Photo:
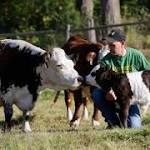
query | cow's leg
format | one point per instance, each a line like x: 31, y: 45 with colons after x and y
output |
x: 85, y: 110
x: 86, y: 99
x: 124, y: 111
x: 26, y: 125
x: 68, y: 104
x: 8, y: 111
x: 95, y: 117
x: 77, y: 114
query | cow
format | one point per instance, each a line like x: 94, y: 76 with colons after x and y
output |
x: 129, y: 88
x: 84, y: 54
x: 25, y: 70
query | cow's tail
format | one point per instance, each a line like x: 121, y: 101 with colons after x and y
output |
x: 56, y: 97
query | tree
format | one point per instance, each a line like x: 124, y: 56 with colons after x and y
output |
x: 86, y: 8
x: 34, y: 15
x: 111, y: 12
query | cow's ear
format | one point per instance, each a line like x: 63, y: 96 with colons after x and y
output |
x: 49, y: 54
x: 47, y: 57
x: 105, y: 75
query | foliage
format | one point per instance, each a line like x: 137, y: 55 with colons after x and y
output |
x: 97, y: 12
x: 35, y: 15
x: 135, y: 9
x: 32, y: 15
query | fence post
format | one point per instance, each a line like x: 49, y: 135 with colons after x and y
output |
x: 68, y: 31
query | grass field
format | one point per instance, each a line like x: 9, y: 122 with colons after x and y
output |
x: 50, y: 130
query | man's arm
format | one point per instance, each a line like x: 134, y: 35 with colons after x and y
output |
x: 143, y: 63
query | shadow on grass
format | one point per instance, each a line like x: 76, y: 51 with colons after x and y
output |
x: 16, y: 122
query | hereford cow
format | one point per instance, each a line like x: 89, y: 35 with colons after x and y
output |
x: 84, y: 54
x: 25, y: 70
x: 129, y: 88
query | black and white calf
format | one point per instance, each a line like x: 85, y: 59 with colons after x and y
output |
x: 25, y: 70
x: 129, y: 88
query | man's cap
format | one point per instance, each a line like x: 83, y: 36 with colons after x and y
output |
x: 115, y: 35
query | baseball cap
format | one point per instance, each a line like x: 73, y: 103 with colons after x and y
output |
x: 115, y: 35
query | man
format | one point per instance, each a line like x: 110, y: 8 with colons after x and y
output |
x: 123, y: 60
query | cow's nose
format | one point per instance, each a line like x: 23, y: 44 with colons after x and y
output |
x: 80, y: 79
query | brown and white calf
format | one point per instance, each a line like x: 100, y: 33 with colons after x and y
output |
x: 129, y: 88
x: 25, y: 70
x: 84, y: 54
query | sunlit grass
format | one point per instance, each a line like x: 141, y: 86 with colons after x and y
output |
x: 50, y: 130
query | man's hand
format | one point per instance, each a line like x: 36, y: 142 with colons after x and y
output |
x: 110, y: 96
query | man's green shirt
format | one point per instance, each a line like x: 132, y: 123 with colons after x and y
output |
x: 133, y: 60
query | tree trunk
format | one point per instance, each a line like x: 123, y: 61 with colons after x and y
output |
x: 111, y: 12
x: 87, y: 17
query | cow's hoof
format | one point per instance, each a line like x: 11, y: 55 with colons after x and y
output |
x: 6, y: 127
x: 27, y: 130
x: 75, y: 123
x: 5, y: 130
x: 95, y: 123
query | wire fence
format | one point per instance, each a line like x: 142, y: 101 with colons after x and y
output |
x: 137, y: 31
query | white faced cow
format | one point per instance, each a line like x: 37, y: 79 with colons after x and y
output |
x: 25, y: 70
x: 129, y: 88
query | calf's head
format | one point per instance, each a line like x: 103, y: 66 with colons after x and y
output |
x: 100, y: 77
x: 83, y: 52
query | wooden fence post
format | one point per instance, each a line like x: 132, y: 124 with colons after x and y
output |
x: 68, y: 28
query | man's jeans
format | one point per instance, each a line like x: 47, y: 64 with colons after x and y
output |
x: 108, y: 112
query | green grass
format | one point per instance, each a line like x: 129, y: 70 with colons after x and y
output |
x: 50, y: 130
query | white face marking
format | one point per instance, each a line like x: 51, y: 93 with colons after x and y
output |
x: 90, y: 57
x: 141, y: 93
x: 91, y: 78
x: 102, y: 53
x: 60, y: 73
x: 22, y: 44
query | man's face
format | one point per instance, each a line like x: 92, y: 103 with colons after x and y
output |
x: 117, y: 47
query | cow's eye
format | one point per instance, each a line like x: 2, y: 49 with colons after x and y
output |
x: 60, y: 66
x: 93, y: 74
